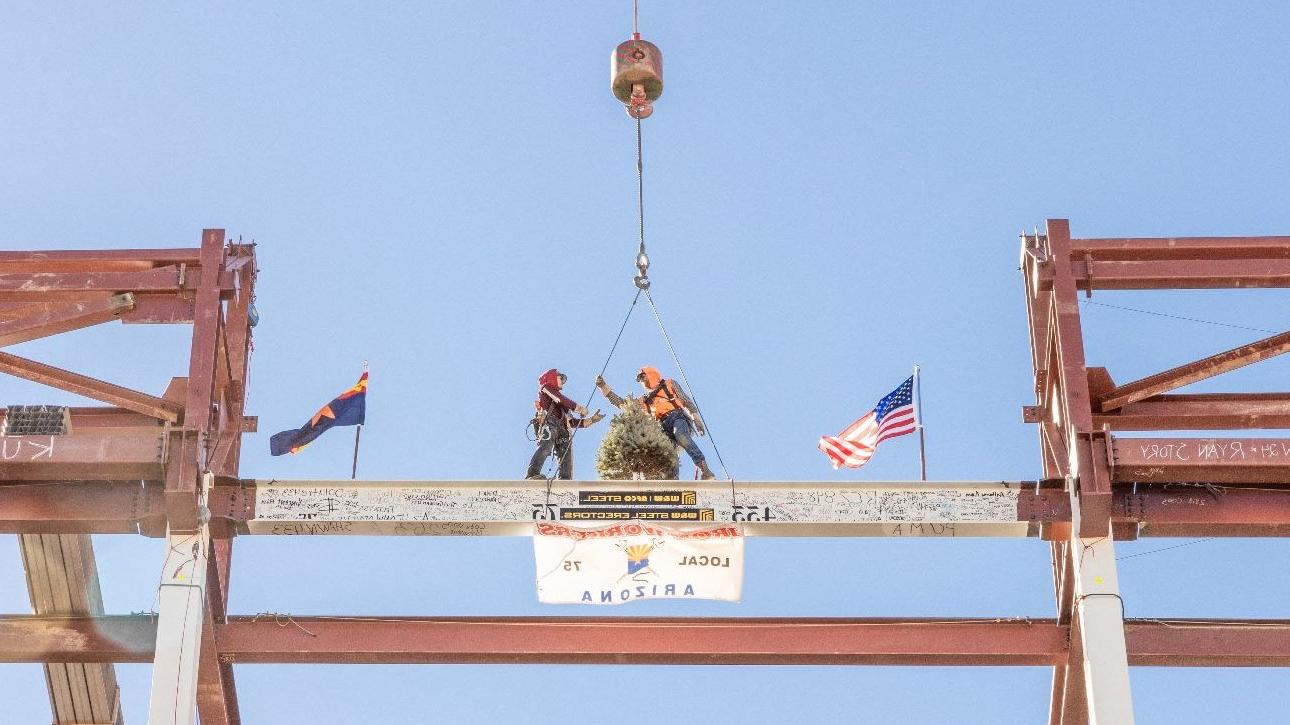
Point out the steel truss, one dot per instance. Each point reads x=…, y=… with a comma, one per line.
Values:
x=167, y=466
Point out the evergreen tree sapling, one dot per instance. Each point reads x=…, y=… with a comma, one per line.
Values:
x=636, y=444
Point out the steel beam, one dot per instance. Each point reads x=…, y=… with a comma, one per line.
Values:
x=159, y=310
x=181, y=611
x=82, y=456
x=1099, y=623
x=63, y=580
x=774, y=508
x=112, y=638
x=1069, y=702
x=284, y=639
x=1161, y=509
x=106, y=417
x=1208, y=643
x=1201, y=411
x=483, y=640
x=63, y=286
x=1195, y=371
x=1067, y=337
x=1176, y=274
x=202, y=352
x=1161, y=505
x=55, y=319
x=121, y=419
x=82, y=507
x=1203, y=460
x=149, y=405
x=1139, y=249
x=216, y=691
x=1213, y=531
x=91, y=260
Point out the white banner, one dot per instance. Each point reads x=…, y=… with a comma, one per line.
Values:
x=637, y=560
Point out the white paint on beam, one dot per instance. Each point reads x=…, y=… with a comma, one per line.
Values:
x=181, y=608
x=1101, y=624
x=508, y=508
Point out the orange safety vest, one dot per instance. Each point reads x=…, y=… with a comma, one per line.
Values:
x=662, y=400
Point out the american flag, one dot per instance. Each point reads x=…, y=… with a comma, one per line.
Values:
x=893, y=416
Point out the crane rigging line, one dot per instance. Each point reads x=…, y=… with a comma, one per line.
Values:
x=642, y=265
x=689, y=388
x=550, y=480
x=642, y=283
x=640, y=190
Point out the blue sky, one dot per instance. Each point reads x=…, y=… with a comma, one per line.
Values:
x=834, y=192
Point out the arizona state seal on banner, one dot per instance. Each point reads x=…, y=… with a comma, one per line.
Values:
x=637, y=560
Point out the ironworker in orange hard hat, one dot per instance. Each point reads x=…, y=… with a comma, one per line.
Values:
x=675, y=412
x=553, y=424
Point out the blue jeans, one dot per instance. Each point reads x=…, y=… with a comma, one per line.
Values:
x=677, y=427
x=553, y=438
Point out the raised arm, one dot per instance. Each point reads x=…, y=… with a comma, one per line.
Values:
x=609, y=394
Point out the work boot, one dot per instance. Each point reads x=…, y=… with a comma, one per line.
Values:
x=708, y=475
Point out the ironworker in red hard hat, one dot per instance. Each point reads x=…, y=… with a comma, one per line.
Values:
x=675, y=412
x=553, y=424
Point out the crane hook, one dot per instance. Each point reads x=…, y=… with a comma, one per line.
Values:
x=642, y=266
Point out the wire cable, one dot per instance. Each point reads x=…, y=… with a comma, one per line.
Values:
x=1179, y=317
x=1167, y=548
x=640, y=185
x=689, y=388
x=555, y=459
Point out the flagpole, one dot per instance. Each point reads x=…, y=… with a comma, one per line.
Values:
x=918, y=417
x=358, y=434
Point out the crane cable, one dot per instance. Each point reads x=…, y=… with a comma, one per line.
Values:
x=642, y=283
x=642, y=278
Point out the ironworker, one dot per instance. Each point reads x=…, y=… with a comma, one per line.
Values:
x=553, y=423
x=675, y=412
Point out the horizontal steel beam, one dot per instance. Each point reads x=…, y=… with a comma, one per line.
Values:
x=784, y=507
x=1165, y=504
x=284, y=639
x=54, y=638
x=90, y=260
x=623, y=640
x=160, y=309
x=1201, y=411
x=51, y=286
x=1161, y=509
x=85, y=456
x=122, y=420
x=1202, y=460
x=83, y=507
x=1162, y=248
x=1166, y=530
x=1174, y=274
x=1208, y=643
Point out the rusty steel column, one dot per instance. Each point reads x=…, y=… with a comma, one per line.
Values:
x=1095, y=682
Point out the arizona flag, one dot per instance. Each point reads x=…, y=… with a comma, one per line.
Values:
x=348, y=408
x=893, y=416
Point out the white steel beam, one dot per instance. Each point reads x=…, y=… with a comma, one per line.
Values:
x=180, y=610
x=766, y=508
x=1099, y=612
